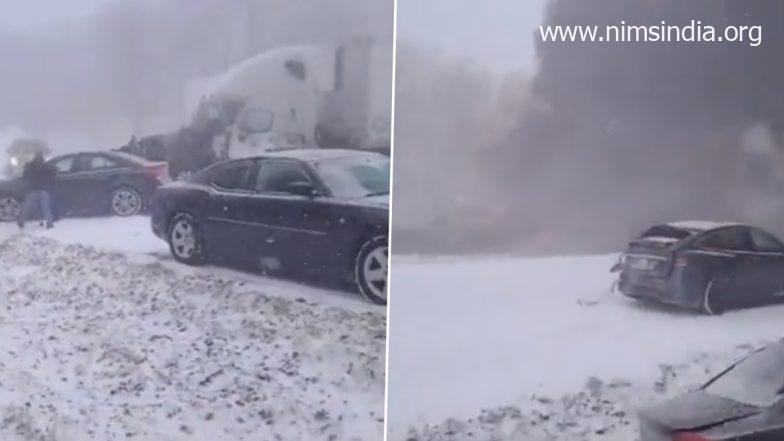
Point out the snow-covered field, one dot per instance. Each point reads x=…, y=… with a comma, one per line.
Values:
x=105, y=337
x=537, y=349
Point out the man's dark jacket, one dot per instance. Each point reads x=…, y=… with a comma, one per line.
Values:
x=38, y=175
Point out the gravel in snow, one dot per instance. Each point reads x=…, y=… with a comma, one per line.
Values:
x=506, y=348
x=602, y=411
x=100, y=347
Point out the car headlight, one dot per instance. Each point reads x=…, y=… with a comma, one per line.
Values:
x=14, y=161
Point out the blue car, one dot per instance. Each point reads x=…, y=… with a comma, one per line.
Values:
x=705, y=266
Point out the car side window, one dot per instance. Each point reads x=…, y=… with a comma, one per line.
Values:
x=276, y=176
x=97, y=162
x=65, y=165
x=736, y=239
x=234, y=176
x=764, y=242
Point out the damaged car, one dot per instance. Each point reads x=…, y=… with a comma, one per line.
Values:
x=705, y=266
x=744, y=402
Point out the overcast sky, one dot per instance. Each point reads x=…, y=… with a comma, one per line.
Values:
x=23, y=15
x=496, y=33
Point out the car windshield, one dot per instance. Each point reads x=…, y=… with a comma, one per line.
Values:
x=757, y=380
x=351, y=177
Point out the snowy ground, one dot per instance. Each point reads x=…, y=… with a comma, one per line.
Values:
x=506, y=349
x=105, y=337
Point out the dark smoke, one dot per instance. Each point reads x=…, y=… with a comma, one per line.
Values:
x=629, y=134
x=449, y=112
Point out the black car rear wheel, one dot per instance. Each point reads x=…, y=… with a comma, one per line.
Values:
x=186, y=240
x=9, y=208
x=711, y=301
x=370, y=270
x=126, y=201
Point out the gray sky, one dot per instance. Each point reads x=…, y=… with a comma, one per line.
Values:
x=34, y=13
x=496, y=33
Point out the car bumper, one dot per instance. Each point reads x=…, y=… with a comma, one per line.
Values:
x=665, y=291
x=158, y=224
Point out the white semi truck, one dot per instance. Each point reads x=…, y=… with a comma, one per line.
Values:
x=305, y=96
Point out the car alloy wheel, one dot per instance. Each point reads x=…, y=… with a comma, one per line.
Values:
x=371, y=270
x=185, y=240
x=126, y=202
x=9, y=209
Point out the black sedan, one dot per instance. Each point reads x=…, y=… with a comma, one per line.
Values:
x=317, y=211
x=92, y=183
x=706, y=266
x=743, y=403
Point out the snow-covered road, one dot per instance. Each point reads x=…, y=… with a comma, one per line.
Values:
x=133, y=237
x=472, y=341
x=105, y=337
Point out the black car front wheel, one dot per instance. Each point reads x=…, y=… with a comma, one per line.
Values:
x=186, y=240
x=370, y=269
x=9, y=208
x=126, y=201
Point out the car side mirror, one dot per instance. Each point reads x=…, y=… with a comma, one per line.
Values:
x=302, y=188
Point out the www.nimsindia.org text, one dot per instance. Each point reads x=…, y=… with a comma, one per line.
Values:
x=694, y=32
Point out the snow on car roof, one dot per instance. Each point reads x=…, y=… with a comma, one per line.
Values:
x=317, y=154
x=661, y=239
x=128, y=156
x=701, y=225
x=117, y=154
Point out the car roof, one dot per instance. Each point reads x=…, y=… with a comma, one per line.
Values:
x=127, y=156
x=310, y=155
x=316, y=154
x=112, y=153
x=701, y=225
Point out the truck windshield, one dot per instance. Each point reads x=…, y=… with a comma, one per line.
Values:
x=757, y=380
x=257, y=120
x=355, y=177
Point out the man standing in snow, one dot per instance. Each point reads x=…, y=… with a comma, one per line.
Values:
x=38, y=178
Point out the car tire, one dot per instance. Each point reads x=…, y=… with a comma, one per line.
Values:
x=370, y=269
x=126, y=201
x=711, y=303
x=10, y=207
x=186, y=240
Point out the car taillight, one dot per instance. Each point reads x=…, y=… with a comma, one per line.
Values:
x=159, y=171
x=689, y=436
